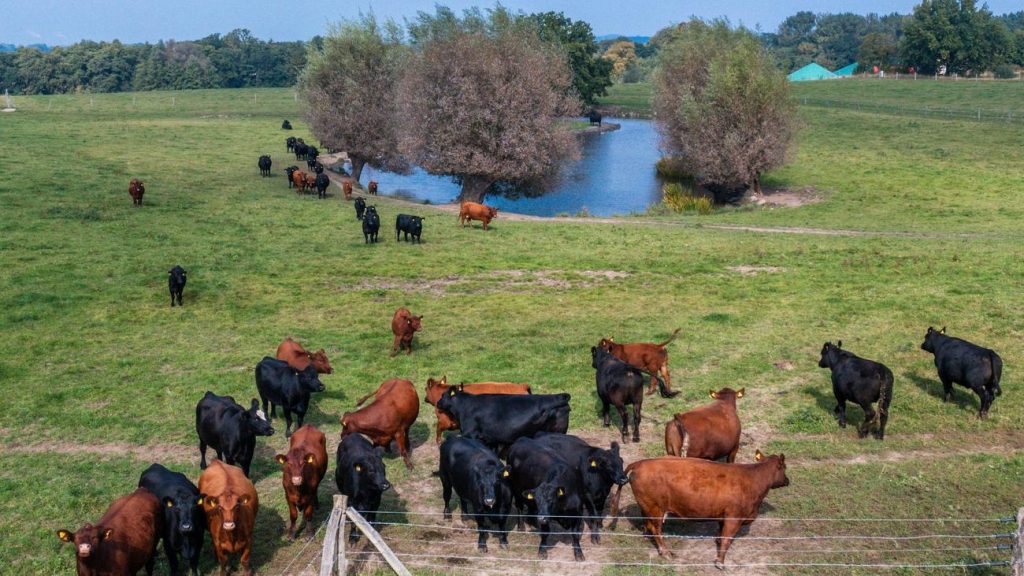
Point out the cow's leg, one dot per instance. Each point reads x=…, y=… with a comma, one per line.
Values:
x=625, y=420
x=869, y=417
x=840, y=411
x=402, y=439
x=464, y=511
x=308, y=516
x=172, y=299
x=637, y=404
x=986, y=401
x=446, y=495
x=653, y=525
x=481, y=532
x=246, y=571
x=883, y=417
x=172, y=557
x=947, y=389
x=606, y=416
x=202, y=454
x=731, y=458
x=222, y=559
x=395, y=346
x=545, y=531
x=729, y=529
x=288, y=421
x=577, y=534
x=293, y=515
x=667, y=379
x=653, y=385
x=593, y=520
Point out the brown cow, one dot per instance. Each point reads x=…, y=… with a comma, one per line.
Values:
x=230, y=502
x=136, y=189
x=373, y=188
x=346, y=188
x=303, y=467
x=298, y=358
x=299, y=180
x=310, y=182
x=469, y=211
x=694, y=488
x=709, y=432
x=404, y=325
x=436, y=388
x=389, y=417
x=650, y=358
x=123, y=540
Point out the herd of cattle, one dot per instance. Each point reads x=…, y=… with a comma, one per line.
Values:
x=512, y=455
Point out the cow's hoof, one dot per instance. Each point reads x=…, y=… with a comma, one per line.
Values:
x=879, y=436
x=720, y=564
x=503, y=544
x=635, y=439
x=862, y=434
x=542, y=554
x=842, y=424
x=482, y=548
x=579, y=557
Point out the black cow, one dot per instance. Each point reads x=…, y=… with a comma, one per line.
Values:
x=546, y=488
x=361, y=476
x=620, y=384
x=183, y=517
x=595, y=117
x=229, y=429
x=967, y=364
x=290, y=143
x=286, y=125
x=300, y=148
x=282, y=385
x=289, y=171
x=176, y=278
x=322, y=182
x=312, y=152
x=481, y=481
x=264, y=165
x=360, y=208
x=498, y=420
x=409, y=225
x=318, y=168
x=371, y=224
x=861, y=381
x=311, y=161
x=599, y=470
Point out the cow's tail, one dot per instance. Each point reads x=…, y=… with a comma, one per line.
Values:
x=670, y=338
x=367, y=397
x=618, y=493
x=884, y=396
x=665, y=392
x=675, y=438
x=997, y=372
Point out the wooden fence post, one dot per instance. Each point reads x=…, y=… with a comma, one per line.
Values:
x=332, y=537
x=1017, y=566
x=374, y=537
x=342, y=561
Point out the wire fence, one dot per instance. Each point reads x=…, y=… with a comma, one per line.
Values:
x=976, y=114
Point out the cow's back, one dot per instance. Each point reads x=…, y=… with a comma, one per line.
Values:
x=963, y=361
x=395, y=406
x=135, y=521
x=713, y=429
x=694, y=488
x=293, y=353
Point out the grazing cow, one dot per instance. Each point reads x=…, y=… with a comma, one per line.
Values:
x=694, y=488
x=595, y=117
x=264, y=165
x=302, y=469
x=122, y=541
x=620, y=384
x=711, y=431
x=286, y=125
x=650, y=358
x=281, y=385
x=599, y=470
x=437, y=388
x=966, y=364
x=289, y=143
x=360, y=475
x=360, y=208
x=229, y=429
x=371, y=225
x=231, y=503
x=176, y=278
x=409, y=225
x=480, y=480
x=394, y=408
x=301, y=149
x=404, y=325
x=318, y=168
x=136, y=189
x=298, y=358
x=498, y=420
x=546, y=488
x=346, y=189
x=321, y=182
x=372, y=188
x=861, y=381
x=290, y=173
x=182, y=520
x=299, y=180
x=469, y=211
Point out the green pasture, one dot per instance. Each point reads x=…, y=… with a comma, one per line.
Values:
x=100, y=376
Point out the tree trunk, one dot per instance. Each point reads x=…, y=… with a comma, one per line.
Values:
x=357, y=168
x=474, y=188
x=757, y=186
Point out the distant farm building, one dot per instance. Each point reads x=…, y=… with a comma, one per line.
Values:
x=812, y=71
x=847, y=70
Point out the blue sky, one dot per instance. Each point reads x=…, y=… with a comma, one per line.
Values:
x=60, y=22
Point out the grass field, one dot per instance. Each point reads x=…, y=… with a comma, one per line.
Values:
x=100, y=376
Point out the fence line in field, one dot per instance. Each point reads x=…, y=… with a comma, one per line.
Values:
x=976, y=114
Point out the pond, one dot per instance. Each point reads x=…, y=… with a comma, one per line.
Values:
x=614, y=176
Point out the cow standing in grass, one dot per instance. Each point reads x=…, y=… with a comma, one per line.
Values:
x=966, y=364
x=710, y=432
x=858, y=380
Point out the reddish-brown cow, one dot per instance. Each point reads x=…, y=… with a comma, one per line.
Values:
x=136, y=189
x=299, y=180
x=694, y=488
x=710, y=431
x=303, y=467
x=298, y=357
x=389, y=417
x=650, y=358
x=404, y=324
x=469, y=211
x=310, y=182
x=123, y=541
x=435, y=388
x=230, y=502
x=373, y=188
x=346, y=188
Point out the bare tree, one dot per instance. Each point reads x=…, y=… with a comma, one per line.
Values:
x=349, y=88
x=481, y=101
x=723, y=108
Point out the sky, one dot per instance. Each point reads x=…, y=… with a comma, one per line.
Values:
x=62, y=22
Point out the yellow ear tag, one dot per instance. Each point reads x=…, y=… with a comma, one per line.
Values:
x=451, y=392
x=758, y=456
x=170, y=504
x=504, y=474
x=712, y=394
x=593, y=463
x=359, y=468
x=310, y=459
x=561, y=492
x=529, y=496
x=200, y=501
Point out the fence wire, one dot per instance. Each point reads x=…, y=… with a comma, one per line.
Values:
x=974, y=114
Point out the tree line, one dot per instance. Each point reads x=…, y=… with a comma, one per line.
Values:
x=234, y=60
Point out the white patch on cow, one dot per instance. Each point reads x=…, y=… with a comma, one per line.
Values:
x=261, y=415
x=686, y=445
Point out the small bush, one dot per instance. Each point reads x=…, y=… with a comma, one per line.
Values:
x=680, y=199
x=1005, y=72
x=669, y=168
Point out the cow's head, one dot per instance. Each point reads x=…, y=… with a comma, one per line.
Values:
x=177, y=272
x=367, y=471
x=299, y=466
x=320, y=361
x=779, y=478
x=257, y=420
x=448, y=400
x=728, y=394
x=87, y=540
x=930, y=338
x=488, y=478
x=414, y=322
x=183, y=515
x=309, y=380
x=492, y=212
x=224, y=508
x=607, y=344
x=546, y=498
x=608, y=464
x=830, y=354
x=435, y=389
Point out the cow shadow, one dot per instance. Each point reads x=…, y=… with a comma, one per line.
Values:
x=691, y=531
x=933, y=387
x=267, y=521
x=419, y=434
x=363, y=556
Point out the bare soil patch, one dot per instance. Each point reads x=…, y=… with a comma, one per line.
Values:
x=493, y=281
x=154, y=452
x=748, y=270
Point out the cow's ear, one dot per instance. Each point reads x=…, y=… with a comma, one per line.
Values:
x=65, y=535
x=255, y=405
x=943, y=331
x=839, y=344
x=379, y=451
x=444, y=380
x=782, y=459
x=713, y=394
x=281, y=458
x=758, y=456
x=593, y=463
x=106, y=534
x=615, y=448
x=741, y=392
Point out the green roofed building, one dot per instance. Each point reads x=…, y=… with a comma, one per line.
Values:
x=847, y=70
x=812, y=71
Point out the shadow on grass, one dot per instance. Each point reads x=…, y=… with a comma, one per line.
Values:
x=363, y=554
x=963, y=398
